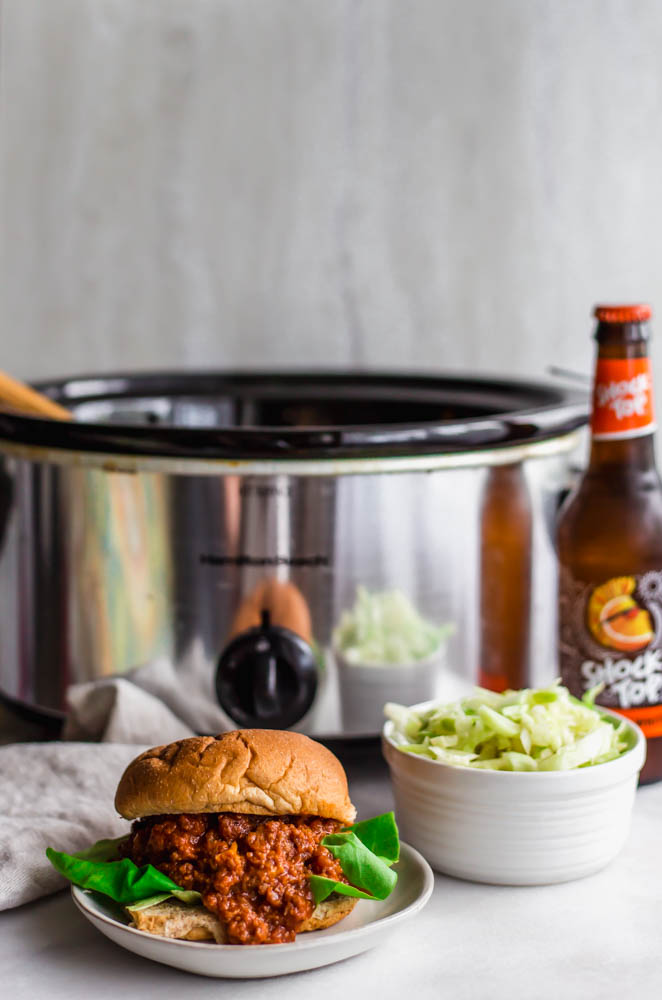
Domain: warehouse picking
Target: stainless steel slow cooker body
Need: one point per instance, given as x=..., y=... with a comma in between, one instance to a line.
x=203, y=534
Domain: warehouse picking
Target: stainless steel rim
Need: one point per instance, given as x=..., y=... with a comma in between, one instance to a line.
x=132, y=464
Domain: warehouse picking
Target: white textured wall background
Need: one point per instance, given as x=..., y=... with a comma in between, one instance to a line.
x=446, y=183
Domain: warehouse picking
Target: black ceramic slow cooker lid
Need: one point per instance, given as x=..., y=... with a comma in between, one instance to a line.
x=222, y=415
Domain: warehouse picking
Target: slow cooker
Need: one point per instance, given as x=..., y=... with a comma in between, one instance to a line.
x=280, y=550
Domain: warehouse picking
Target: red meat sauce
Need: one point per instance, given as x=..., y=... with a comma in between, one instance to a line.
x=252, y=871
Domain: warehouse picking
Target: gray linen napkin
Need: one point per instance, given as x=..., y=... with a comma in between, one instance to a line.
x=58, y=795
x=61, y=794
x=151, y=704
x=117, y=711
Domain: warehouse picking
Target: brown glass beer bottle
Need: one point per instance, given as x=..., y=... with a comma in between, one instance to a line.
x=610, y=539
x=506, y=523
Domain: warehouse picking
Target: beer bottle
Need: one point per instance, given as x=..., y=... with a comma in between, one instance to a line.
x=506, y=522
x=610, y=539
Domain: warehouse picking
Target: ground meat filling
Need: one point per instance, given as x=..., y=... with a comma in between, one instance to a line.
x=252, y=871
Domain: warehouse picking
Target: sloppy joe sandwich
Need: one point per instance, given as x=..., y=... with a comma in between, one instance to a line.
x=243, y=838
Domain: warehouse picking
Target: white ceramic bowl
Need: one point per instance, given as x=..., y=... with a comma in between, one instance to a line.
x=514, y=828
x=364, y=688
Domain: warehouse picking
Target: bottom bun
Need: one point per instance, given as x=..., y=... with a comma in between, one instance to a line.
x=194, y=923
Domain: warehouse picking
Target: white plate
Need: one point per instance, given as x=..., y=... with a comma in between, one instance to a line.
x=366, y=926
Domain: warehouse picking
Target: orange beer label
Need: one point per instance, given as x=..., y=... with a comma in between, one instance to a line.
x=648, y=718
x=622, y=398
x=611, y=634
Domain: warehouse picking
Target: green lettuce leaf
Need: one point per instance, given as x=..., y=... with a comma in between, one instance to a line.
x=188, y=896
x=144, y=904
x=379, y=835
x=322, y=887
x=366, y=852
x=103, y=850
x=121, y=880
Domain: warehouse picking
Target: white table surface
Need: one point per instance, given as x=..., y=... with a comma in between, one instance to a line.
x=599, y=937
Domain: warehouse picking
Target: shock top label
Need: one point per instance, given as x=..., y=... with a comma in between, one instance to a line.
x=611, y=634
x=622, y=398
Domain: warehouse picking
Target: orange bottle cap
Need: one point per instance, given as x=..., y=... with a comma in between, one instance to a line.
x=623, y=314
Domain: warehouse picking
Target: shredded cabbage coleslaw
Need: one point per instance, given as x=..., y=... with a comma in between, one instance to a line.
x=385, y=628
x=545, y=729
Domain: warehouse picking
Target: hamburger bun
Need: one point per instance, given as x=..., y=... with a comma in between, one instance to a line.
x=172, y=919
x=259, y=771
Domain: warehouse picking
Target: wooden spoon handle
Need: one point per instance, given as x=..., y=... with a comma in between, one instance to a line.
x=20, y=396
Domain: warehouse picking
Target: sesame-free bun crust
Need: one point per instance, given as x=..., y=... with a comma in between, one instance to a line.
x=261, y=771
x=195, y=923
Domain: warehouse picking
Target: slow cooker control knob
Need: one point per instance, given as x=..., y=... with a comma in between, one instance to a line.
x=266, y=677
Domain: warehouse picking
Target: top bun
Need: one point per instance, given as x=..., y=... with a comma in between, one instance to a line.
x=267, y=772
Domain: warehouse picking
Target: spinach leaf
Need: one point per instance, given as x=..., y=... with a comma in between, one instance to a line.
x=366, y=852
x=121, y=880
x=380, y=835
x=323, y=887
x=103, y=850
x=188, y=896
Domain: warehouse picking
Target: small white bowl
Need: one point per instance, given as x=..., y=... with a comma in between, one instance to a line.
x=364, y=687
x=514, y=827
